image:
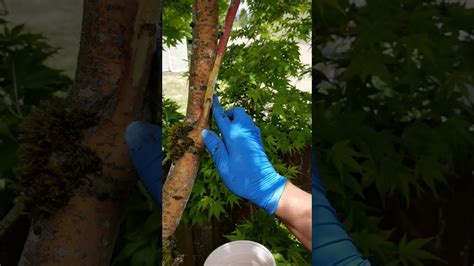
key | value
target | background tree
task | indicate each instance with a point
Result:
(393, 126)
(75, 170)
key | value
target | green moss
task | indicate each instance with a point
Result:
(53, 160)
(167, 251)
(170, 254)
(178, 140)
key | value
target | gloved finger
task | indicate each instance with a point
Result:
(215, 146)
(259, 136)
(234, 112)
(238, 115)
(219, 115)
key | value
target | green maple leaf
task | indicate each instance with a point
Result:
(344, 156)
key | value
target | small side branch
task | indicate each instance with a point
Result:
(12, 216)
(19, 113)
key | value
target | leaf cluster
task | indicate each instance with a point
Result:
(23, 69)
(139, 239)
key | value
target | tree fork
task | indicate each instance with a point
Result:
(117, 45)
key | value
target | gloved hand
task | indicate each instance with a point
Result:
(144, 147)
(241, 160)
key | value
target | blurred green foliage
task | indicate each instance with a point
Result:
(139, 239)
(25, 80)
(392, 111)
(178, 17)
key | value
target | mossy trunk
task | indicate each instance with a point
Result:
(117, 45)
(182, 174)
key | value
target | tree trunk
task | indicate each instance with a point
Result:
(183, 172)
(117, 44)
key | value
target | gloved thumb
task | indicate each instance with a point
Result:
(215, 146)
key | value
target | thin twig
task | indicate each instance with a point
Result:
(167, 158)
(14, 113)
(10, 106)
(12, 216)
(15, 89)
(3, 12)
(229, 20)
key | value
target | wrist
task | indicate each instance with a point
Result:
(294, 202)
(295, 211)
(271, 204)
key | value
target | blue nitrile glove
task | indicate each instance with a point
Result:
(144, 147)
(240, 160)
(331, 244)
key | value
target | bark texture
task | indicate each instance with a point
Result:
(182, 174)
(117, 44)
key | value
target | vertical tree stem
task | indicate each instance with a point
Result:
(180, 180)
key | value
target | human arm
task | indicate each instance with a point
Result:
(294, 210)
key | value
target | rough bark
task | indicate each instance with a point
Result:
(117, 44)
(182, 174)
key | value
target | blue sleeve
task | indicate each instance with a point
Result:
(331, 244)
(144, 147)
